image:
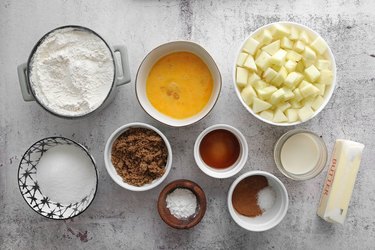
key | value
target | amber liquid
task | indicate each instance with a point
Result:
(220, 149)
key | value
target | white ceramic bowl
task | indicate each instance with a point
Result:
(111, 169)
(268, 219)
(328, 93)
(227, 172)
(161, 51)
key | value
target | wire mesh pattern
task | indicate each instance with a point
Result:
(30, 190)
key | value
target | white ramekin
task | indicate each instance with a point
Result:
(227, 172)
(270, 218)
(327, 95)
(111, 169)
(149, 61)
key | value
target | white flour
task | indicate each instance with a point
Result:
(182, 203)
(65, 174)
(72, 72)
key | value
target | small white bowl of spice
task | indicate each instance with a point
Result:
(257, 201)
(138, 157)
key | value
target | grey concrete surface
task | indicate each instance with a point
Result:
(128, 220)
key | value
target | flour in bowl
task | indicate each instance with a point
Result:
(72, 71)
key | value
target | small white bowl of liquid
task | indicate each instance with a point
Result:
(300, 154)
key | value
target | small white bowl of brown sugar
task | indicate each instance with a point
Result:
(137, 156)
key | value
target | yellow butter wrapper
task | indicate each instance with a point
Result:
(339, 184)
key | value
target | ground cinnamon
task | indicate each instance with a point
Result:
(139, 156)
(245, 195)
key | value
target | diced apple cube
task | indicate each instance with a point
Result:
(294, 33)
(290, 65)
(269, 74)
(280, 30)
(321, 87)
(292, 115)
(265, 37)
(307, 63)
(267, 114)
(260, 84)
(250, 63)
(294, 56)
(284, 106)
(288, 94)
(326, 77)
(305, 113)
(241, 58)
(263, 60)
(323, 64)
(317, 103)
(299, 46)
(293, 79)
(297, 95)
(309, 54)
(257, 53)
(308, 101)
(304, 37)
(248, 94)
(242, 75)
(260, 105)
(319, 45)
(279, 116)
(312, 73)
(272, 48)
(266, 92)
(277, 96)
(251, 46)
(303, 84)
(279, 57)
(300, 67)
(280, 77)
(295, 104)
(309, 90)
(253, 78)
(286, 43)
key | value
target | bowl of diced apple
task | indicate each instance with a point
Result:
(284, 74)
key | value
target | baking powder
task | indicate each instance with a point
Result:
(182, 203)
(266, 198)
(65, 174)
(72, 72)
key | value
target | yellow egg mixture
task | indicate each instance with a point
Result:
(179, 85)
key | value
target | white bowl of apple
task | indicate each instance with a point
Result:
(284, 73)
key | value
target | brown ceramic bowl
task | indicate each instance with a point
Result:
(172, 221)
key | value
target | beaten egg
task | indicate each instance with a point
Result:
(179, 85)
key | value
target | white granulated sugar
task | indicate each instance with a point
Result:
(65, 174)
(72, 72)
(266, 198)
(182, 203)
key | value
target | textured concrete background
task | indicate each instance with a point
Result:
(123, 219)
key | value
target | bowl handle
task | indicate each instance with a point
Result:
(125, 77)
(24, 83)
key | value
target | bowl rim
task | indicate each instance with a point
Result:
(109, 166)
(36, 47)
(227, 172)
(267, 175)
(220, 80)
(327, 99)
(93, 164)
(190, 185)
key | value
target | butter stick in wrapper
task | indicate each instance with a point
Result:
(340, 180)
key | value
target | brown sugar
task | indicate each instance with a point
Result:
(139, 156)
(245, 195)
